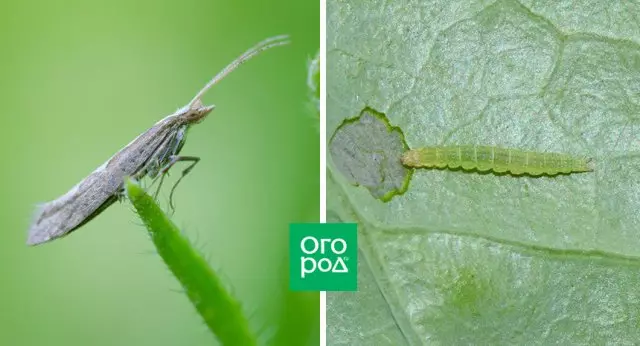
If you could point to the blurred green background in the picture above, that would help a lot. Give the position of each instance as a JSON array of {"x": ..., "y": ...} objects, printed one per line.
[{"x": 79, "y": 80}]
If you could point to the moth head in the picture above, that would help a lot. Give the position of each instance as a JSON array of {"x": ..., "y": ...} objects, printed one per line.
[{"x": 197, "y": 112}]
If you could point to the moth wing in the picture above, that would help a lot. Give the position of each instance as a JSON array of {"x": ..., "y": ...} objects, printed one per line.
[{"x": 59, "y": 217}]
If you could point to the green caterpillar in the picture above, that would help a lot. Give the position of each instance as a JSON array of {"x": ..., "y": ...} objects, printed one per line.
[{"x": 496, "y": 159}]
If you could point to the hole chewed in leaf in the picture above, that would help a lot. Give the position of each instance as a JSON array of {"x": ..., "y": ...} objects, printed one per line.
[{"x": 367, "y": 151}]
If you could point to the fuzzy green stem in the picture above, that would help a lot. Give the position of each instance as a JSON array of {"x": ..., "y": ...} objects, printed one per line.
[{"x": 221, "y": 312}]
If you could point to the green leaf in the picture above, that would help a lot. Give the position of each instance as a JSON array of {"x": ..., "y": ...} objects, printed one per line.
[
  {"x": 468, "y": 258},
  {"x": 221, "y": 312},
  {"x": 313, "y": 82},
  {"x": 313, "y": 86}
]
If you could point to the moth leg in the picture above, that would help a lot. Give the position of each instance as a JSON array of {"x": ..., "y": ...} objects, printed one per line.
[
  {"x": 155, "y": 194},
  {"x": 153, "y": 182},
  {"x": 120, "y": 195},
  {"x": 172, "y": 161}
]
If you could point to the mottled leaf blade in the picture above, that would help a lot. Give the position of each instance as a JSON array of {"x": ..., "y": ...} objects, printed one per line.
[{"x": 510, "y": 261}]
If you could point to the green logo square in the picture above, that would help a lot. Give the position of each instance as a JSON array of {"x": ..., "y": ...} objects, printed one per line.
[{"x": 323, "y": 257}]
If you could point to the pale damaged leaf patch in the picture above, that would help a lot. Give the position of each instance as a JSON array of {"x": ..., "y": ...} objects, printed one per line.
[{"x": 367, "y": 151}]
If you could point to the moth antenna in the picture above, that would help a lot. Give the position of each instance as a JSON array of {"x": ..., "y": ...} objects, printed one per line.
[{"x": 250, "y": 53}]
